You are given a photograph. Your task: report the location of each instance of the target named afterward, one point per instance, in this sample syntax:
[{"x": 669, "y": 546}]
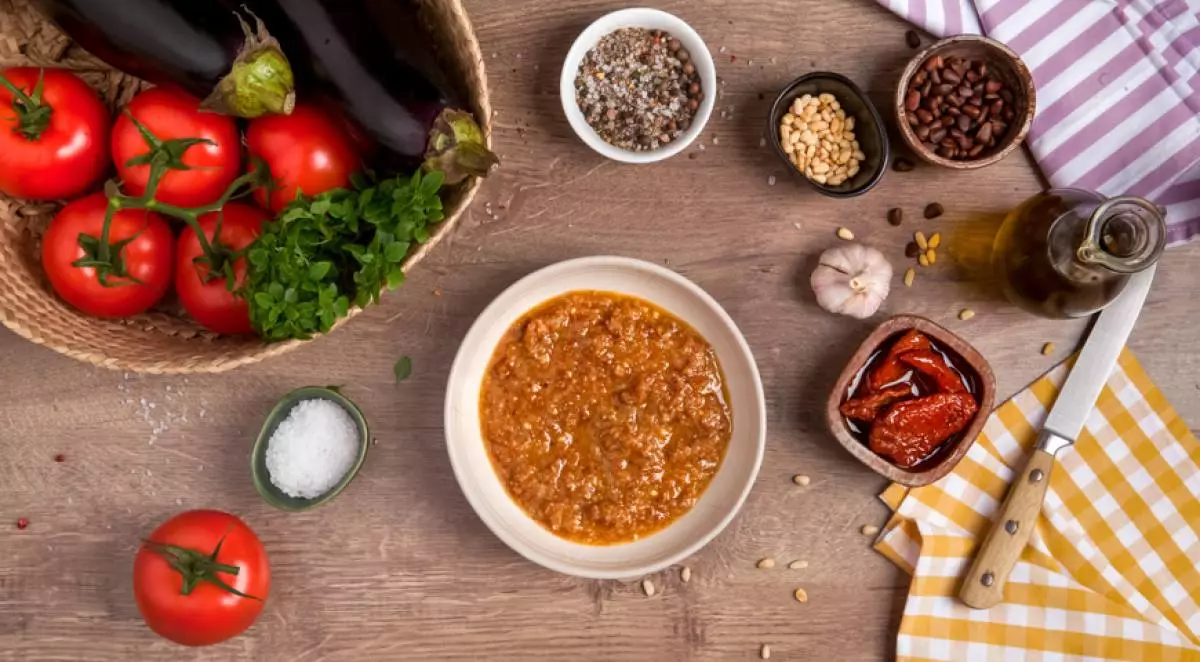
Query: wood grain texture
[{"x": 398, "y": 566}]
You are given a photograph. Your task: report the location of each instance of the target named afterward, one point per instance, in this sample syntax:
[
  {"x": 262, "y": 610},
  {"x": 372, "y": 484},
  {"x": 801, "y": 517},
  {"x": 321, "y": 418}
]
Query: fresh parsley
[{"x": 339, "y": 249}]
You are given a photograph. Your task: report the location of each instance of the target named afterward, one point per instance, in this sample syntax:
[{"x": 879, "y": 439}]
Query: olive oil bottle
[{"x": 1068, "y": 252}]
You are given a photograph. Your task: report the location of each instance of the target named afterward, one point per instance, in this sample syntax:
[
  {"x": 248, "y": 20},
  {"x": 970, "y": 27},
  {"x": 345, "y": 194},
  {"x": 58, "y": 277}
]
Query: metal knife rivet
[
  {"x": 1011, "y": 526},
  {"x": 987, "y": 579},
  {"x": 1036, "y": 476}
]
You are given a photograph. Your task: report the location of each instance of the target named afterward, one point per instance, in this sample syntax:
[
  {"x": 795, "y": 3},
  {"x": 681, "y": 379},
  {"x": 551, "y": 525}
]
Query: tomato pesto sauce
[{"x": 604, "y": 416}]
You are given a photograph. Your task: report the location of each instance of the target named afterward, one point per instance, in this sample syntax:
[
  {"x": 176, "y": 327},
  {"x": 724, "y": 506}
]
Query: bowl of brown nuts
[
  {"x": 965, "y": 102},
  {"x": 830, "y": 134}
]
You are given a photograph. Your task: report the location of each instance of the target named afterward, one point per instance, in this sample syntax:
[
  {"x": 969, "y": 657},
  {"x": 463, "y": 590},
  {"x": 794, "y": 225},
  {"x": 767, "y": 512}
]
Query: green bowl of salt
[{"x": 311, "y": 446}]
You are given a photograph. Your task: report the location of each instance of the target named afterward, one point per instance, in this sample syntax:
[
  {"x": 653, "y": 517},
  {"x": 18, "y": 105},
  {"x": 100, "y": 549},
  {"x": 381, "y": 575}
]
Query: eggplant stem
[
  {"x": 458, "y": 148},
  {"x": 260, "y": 80}
]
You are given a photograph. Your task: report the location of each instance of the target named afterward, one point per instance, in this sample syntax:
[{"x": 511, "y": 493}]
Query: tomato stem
[
  {"x": 196, "y": 566},
  {"x": 33, "y": 116}
]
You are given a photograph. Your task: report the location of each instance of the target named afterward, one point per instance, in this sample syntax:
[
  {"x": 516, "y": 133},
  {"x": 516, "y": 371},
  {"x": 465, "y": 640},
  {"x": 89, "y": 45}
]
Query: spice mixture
[{"x": 638, "y": 89}]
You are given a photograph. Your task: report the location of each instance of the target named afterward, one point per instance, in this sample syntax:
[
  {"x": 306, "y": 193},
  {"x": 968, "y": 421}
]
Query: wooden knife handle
[{"x": 983, "y": 587}]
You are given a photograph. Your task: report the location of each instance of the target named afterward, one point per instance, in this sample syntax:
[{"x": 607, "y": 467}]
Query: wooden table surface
[{"x": 399, "y": 566}]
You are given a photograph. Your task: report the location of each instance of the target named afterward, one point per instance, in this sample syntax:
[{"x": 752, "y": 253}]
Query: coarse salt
[{"x": 312, "y": 449}]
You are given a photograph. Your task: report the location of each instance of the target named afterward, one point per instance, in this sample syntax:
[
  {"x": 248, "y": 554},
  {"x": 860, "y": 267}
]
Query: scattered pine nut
[
  {"x": 909, "y": 275},
  {"x": 931, "y": 255},
  {"x": 798, "y": 565},
  {"x": 966, "y": 314},
  {"x": 919, "y": 237},
  {"x": 923, "y": 259},
  {"x": 765, "y": 564},
  {"x": 801, "y": 480},
  {"x": 801, "y": 595},
  {"x": 685, "y": 574},
  {"x": 845, "y": 233},
  {"x": 765, "y": 652},
  {"x": 870, "y": 530},
  {"x": 935, "y": 240},
  {"x": 1048, "y": 349},
  {"x": 648, "y": 588}
]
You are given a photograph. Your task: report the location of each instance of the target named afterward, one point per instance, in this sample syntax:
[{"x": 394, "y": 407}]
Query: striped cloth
[
  {"x": 1111, "y": 571},
  {"x": 1117, "y": 90}
]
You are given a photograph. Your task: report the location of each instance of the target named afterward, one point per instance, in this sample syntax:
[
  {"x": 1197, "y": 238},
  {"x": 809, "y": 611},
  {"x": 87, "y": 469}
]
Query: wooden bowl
[
  {"x": 1002, "y": 61},
  {"x": 926, "y": 473},
  {"x": 868, "y": 130}
]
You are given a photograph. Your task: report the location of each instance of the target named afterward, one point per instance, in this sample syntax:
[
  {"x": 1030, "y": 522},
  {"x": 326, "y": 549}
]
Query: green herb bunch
[{"x": 339, "y": 249}]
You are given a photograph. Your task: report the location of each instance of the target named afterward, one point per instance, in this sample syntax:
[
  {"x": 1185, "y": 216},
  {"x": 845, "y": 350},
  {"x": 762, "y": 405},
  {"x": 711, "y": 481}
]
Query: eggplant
[
  {"x": 200, "y": 45},
  {"x": 386, "y": 79}
]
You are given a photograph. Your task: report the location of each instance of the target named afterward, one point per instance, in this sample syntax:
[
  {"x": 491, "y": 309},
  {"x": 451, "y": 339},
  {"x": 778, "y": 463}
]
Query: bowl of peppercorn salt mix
[{"x": 638, "y": 85}]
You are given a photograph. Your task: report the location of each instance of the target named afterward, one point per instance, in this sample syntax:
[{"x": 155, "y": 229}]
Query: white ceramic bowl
[
  {"x": 650, "y": 19},
  {"x": 725, "y": 494}
]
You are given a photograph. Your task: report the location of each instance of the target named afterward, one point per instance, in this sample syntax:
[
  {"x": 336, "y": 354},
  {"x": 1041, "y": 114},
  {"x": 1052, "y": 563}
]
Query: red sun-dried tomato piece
[
  {"x": 935, "y": 367},
  {"x": 891, "y": 368},
  {"x": 867, "y": 407},
  {"x": 910, "y": 430}
]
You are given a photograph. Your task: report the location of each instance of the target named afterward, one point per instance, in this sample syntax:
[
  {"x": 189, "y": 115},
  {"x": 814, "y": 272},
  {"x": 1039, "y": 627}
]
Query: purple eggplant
[
  {"x": 375, "y": 62},
  {"x": 200, "y": 45}
]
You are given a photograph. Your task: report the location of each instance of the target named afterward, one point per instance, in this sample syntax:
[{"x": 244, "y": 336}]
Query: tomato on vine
[
  {"x": 207, "y": 280},
  {"x": 308, "y": 151},
  {"x": 112, "y": 271},
  {"x": 53, "y": 134},
  {"x": 204, "y": 149}
]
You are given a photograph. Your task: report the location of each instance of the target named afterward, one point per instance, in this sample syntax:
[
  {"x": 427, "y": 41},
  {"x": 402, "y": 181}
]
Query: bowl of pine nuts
[{"x": 829, "y": 134}]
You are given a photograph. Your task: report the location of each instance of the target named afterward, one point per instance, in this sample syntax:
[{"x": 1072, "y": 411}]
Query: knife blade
[
  {"x": 1096, "y": 360},
  {"x": 983, "y": 585}
]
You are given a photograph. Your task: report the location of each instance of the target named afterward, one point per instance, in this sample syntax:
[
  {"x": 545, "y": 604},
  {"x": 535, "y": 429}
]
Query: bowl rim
[
  {"x": 1029, "y": 91},
  {"x": 986, "y": 399},
  {"x": 503, "y": 303},
  {"x": 634, "y": 17},
  {"x": 885, "y": 143},
  {"x": 262, "y": 479}
]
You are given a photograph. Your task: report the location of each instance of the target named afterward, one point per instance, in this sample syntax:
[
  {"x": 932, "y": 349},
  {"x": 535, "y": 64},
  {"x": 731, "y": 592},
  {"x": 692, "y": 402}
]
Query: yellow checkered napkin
[{"x": 1111, "y": 572}]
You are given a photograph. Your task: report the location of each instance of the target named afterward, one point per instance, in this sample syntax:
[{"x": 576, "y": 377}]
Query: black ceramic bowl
[{"x": 868, "y": 130}]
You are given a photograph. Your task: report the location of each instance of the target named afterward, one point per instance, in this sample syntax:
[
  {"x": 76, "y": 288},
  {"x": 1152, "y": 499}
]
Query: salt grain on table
[{"x": 312, "y": 449}]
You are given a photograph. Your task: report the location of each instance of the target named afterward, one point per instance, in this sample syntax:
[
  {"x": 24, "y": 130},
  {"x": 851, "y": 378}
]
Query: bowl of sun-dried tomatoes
[{"x": 912, "y": 400}]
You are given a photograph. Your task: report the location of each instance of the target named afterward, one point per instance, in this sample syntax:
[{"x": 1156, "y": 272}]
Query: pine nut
[
  {"x": 919, "y": 237},
  {"x": 966, "y": 314},
  {"x": 648, "y": 588},
  {"x": 931, "y": 256},
  {"x": 935, "y": 240},
  {"x": 801, "y": 480},
  {"x": 870, "y": 530},
  {"x": 923, "y": 260},
  {"x": 685, "y": 574},
  {"x": 1048, "y": 349},
  {"x": 801, "y": 595},
  {"x": 765, "y": 652},
  {"x": 765, "y": 564},
  {"x": 909, "y": 275},
  {"x": 845, "y": 233},
  {"x": 798, "y": 565}
]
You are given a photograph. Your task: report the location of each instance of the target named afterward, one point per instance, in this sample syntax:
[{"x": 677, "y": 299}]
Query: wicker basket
[{"x": 163, "y": 340}]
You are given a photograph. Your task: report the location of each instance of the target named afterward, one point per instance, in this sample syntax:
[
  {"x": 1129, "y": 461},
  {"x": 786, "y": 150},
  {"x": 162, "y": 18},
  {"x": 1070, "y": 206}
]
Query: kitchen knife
[{"x": 983, "y": 586}]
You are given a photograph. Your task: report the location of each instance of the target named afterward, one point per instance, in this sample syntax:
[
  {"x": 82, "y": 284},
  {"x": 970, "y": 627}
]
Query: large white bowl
[
  {"x": 725, "y": 494},
  {"x": 650, "y": 19}
]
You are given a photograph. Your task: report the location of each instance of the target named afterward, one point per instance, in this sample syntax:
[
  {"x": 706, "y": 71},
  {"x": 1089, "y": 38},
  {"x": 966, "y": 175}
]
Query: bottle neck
[{"x": 1124, "y": 234}]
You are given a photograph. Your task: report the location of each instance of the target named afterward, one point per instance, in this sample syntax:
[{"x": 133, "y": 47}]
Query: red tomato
[
  {"x": 58, "y": 157},
  {"x": 308, "y": 150},
  {"x": 171, "y": 114},
  {"x": 146, "y": 258},
  {"x": 207, "y": 612},
  {"x": 211, "y": 303}
]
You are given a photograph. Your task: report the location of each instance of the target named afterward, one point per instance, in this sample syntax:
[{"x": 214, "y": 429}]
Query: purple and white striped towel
[{"x": 1118, "y": 85}]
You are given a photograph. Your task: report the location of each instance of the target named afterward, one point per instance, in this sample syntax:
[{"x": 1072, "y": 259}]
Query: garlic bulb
[{"x": 852, "y": 280}]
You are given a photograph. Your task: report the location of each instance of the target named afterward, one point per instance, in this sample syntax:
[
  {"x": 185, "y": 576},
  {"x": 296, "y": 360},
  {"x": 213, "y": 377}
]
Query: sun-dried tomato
[
  {"x": 891, "y": 368},
  {"x": 934, "y": 366},
  {"x": 867, "y": 407},
  {"x": 909, "y": 431}
]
